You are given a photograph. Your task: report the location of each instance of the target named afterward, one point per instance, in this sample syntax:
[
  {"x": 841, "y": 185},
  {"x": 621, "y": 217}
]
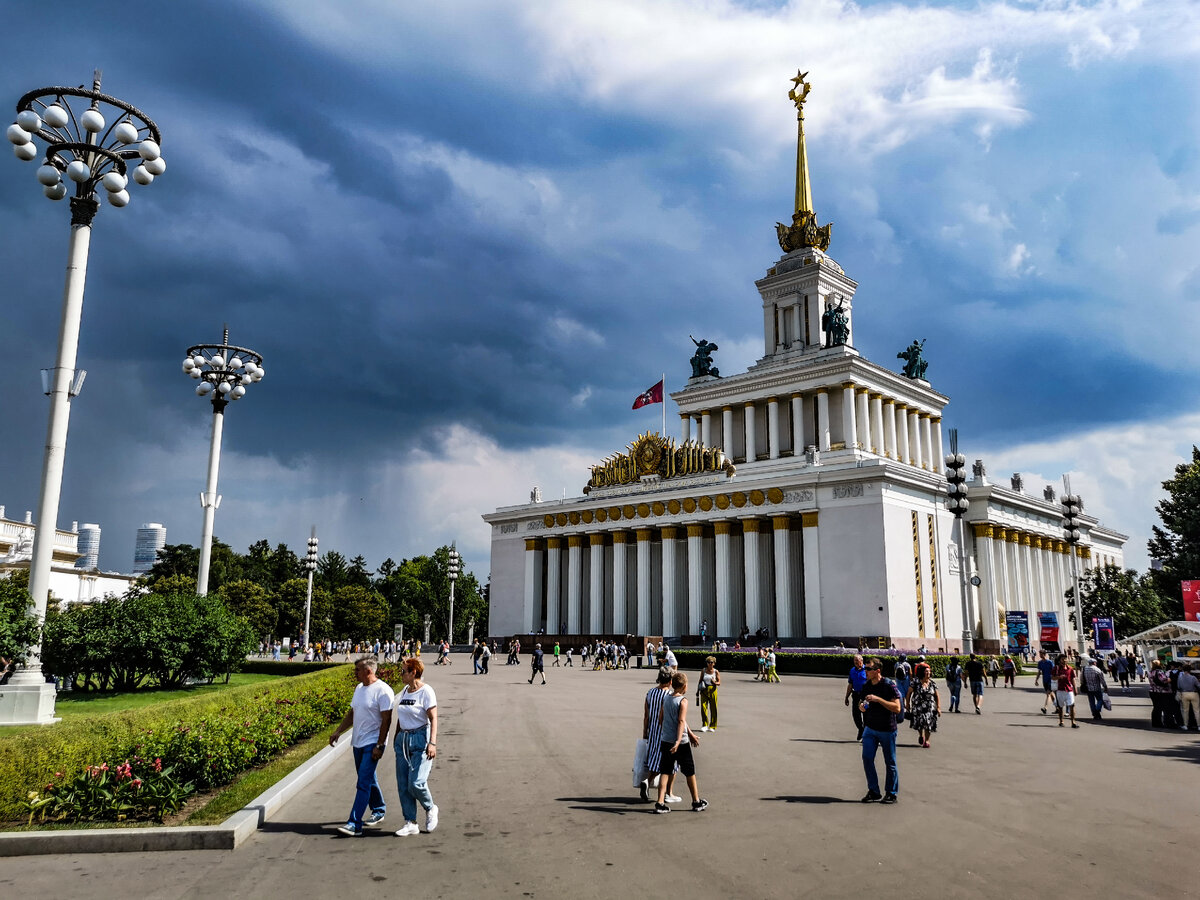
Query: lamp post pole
[
  {"x": 453, "y": 574},
  {"x": 1072, "y": 506},
  {"x": 310, "y": 564},
  {"x": 958, "y": 504},
  {"x": 89, "y": 137},
  {"x": 224, "y": 372}
]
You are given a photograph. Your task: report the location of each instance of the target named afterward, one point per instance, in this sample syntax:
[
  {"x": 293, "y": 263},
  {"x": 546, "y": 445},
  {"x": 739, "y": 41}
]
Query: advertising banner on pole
[
  {"x": 1017, "y": 622},
  {"x": 1103, "y": 629},
  {"x": 1048, "y": 622},
  {"x": 1191, "y": 601}
]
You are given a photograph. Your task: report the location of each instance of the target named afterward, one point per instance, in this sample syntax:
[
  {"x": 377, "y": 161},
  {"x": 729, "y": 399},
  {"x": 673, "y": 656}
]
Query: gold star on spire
[{"x": 804, "y": 231}]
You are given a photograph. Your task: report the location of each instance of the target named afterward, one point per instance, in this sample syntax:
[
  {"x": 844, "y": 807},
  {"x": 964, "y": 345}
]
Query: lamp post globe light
[
  {"x": 310, "y": 565},
  {"x": 452, "y": 572},
  {"x": 224, "y": 373},
  {"x": 958, "y": 504},
  {"x": 90, "y": 138},
  {"x": 1072, "y": 506}
]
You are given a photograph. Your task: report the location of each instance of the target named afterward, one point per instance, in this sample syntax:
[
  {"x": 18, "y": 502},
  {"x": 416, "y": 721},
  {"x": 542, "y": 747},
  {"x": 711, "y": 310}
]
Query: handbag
[
  {"x": 1106, "y": 700},
  {"x": 641, "y": 750}
]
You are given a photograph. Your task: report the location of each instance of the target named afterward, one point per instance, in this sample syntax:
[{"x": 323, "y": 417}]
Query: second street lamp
[
  {"x": 224, "y": 372},
  {"x": 958, "y": 504},
  {"x": 310, "y": 565},
  {"x": 453, "y": 574}
]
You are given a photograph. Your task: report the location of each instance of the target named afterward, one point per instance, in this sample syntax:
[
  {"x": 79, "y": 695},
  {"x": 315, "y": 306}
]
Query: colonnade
[
  {"x": 1020, "y": 570},
  {"x": 731, "y": 573},
  {"x": 865, "y": 420}
]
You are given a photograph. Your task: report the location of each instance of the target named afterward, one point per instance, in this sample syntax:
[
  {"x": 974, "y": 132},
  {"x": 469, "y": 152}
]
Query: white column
[
  {"x": 914, "y": 438},
  {"x": 823, "y": 419},
  {"x": 750, "y": 547},
  {"x": 645, "y": 583},
  {"x": 554, "y": 616},
  {"x": 797, "y": 315},
  {"x": 574, "y": 583},
  {"x": 773, "y": 427},
  {"x": 596, "y": 582},
  {"x": 812, "y": 575},
  {"x": 685, "y": 427},
  {"x": 727, "y": 431},
  {"x": 1041, "y": 598},
  {"x": 620, "y": 577},
  {"x": 798, "y": 443},
  {"x": 902, "y": 433},
  {"x": 751, "y": 447},
  {"x": 849, "y": 425},
  {"x": 815, "y": 313},
  {"x": 725, "y": 595},
  {"x": 533, "y": 586},
  {"x": 989, "y": 612},
  {"x": 670, "y": 585},
  {"x": 877, "y": 435},
  {"x": 785, "y": 601},
  {"x": 706, "y": 429},
  {"x": 889, "y": 429},
  {"x": 939, "y": 457},
  {"x": 927, "y": 442},
  {"x": 863, "y": 415},
  {"x": 696, "y": 571}
]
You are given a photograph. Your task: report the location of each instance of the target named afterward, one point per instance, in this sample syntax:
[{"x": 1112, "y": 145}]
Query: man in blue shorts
[
  {"x": 1045, "y": 669},
  {"x": 975, "y": 675}
]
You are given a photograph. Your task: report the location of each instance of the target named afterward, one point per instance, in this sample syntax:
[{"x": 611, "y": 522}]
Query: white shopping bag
[{"x": 639, "y": 761}]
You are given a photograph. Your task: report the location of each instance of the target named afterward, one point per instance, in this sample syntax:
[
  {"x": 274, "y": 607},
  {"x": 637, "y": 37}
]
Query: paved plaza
[{"x": 536, "y": 801}]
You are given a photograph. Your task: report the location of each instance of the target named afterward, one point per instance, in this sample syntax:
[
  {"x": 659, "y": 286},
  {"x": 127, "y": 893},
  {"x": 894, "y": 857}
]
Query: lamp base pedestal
[{"x": 27, "y": 704}]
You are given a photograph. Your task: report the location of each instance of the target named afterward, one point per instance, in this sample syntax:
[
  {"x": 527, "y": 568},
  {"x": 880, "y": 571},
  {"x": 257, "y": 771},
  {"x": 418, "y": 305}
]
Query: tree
[
  {"x": 359, "y": 613},
  {"x": 289, "y": 603},
  {"x": 18, "y": 626},
  {"x": 359, "y": 575},
  {"x": 1129, "y": 598},
  {"x": 252, "y": 602},
  {"x": 331, "y": 570},
  {"x": 1177, "y": 542}
]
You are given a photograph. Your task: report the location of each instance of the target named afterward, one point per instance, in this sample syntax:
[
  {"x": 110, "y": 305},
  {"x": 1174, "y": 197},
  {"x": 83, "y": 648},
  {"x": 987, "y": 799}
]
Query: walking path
[{"x": 536, "y": 800}]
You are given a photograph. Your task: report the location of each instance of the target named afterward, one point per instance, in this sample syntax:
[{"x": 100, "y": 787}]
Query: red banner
[
  {"x": 1191, "y": 600},
  {"x": 652, "y": 395}
]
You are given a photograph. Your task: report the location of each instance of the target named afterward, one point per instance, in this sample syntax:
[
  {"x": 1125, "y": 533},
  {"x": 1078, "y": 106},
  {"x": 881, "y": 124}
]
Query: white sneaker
[
  {"x": 704, "y": 728},
  {"x": 671, "y": 798},
  {"x": 409, "y": 828},
  {"x": 431, "y": 818}
]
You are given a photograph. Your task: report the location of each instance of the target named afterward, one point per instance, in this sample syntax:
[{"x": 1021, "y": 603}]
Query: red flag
[{"x": 652, "y": 395}]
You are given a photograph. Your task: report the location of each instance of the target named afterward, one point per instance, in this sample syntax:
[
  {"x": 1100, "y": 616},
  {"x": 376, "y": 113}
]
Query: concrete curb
[{"x": 226, "y": 836}]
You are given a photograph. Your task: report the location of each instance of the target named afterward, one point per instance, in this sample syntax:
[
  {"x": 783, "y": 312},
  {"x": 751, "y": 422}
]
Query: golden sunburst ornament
[{"x": 647, "y": 452}]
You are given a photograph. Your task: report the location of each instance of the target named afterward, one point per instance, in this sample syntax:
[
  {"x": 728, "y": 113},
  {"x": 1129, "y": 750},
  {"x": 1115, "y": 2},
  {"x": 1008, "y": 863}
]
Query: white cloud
[{"x": 1018, "y": 259}]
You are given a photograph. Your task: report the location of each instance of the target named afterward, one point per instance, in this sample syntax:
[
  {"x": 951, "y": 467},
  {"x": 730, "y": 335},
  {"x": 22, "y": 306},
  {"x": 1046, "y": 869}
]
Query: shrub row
[
  {"x": 207, "y": 740},
  {"x": 284, "y": 667},
  {"x": 806, "y": 663}
]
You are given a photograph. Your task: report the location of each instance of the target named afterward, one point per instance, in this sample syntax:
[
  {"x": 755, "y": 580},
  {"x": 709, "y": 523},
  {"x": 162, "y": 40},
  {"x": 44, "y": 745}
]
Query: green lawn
[{"x": 80, "y": 704}]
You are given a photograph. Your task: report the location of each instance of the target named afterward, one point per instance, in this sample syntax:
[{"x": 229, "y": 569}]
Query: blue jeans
[
  {"x": 902, "y": 687},
  {"x": 872, "y": 741},
  {"x": 412, "y": 772},
  {"x": 955, "y": 695},
  {"x": 1096, "y": 702},
  {"x": 367, "y": 790}
]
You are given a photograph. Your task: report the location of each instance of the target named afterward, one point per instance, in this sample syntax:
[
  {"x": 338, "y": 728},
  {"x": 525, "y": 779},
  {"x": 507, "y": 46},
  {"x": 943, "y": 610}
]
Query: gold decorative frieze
[
  {"x": 658, "y": 507},
  {"x": 758, "y": 498},
  {"x": 722, "y": 501},
  {"x": 706, "y": 504},
  {"x": 775, "y": 495},
  {"x": 643, "y": 510},
  {"x": 673, "y": 507},
  {"x": 560, "y": 520},
  {"x": 689, "y": 505},
  {"x": 738, "y": 499},
  {"x": 654, "y": 455}
]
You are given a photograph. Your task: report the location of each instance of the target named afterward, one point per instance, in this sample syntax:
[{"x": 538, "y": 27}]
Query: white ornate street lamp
[
  {"x": 90, "y": 138},
  {"x": 453, "y": 569},
  {"x": 958, "y": 504},
  {"x": 224, "y": 373},
  {"x": 310, "y": 566}
]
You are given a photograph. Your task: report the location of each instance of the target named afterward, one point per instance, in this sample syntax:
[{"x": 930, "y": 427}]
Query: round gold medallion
[
  {"x": 758, "y": 498},
  {"x": 739, "y": 499},
  {"x": 587, "y": 517},
  {"x": 775, "y": 495},
  {"x": 658, "y": 509},
  {"x": 673, "y": 507},
  {"x": 614, "y": 513},
  {"x": 689, "y": 505},
  {"x": 602, "y": 515},
  {"x": 643, "y": 510},
  {"x": 706, "y": 503},
  {"x": 574, "y": 518},
  {"x": 628, "y": 512},
  {"x": 722, "y": 501},
  {"x": 548, "y": 521}
]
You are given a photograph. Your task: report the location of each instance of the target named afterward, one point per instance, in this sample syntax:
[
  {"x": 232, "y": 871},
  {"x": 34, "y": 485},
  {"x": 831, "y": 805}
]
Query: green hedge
[
  {"x": 806, "y": 663},
  {"x": 207, "y": 739},
  {"x": 285, "y": 667}
]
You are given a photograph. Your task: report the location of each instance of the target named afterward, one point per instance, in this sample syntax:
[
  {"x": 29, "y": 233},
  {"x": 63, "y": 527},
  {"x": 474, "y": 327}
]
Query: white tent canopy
[{"x": 1168, "y": 634}]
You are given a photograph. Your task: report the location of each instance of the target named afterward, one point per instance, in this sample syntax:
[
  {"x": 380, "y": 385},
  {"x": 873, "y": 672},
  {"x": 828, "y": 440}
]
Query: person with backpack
[
  {"x": 1010, "y": 672},
  {"x": 994, "y": 670},
  {"x": 903, "y": 675},
  {"x": 954, "y": 675}
]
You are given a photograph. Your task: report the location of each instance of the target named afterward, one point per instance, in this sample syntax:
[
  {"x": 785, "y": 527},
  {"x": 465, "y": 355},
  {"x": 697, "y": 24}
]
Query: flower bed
[{"x": 86, "y": 769}]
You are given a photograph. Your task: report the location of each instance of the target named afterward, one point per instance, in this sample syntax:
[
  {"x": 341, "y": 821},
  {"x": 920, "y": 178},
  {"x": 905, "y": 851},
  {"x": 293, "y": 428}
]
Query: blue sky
[{"x": 465, "y": 236}]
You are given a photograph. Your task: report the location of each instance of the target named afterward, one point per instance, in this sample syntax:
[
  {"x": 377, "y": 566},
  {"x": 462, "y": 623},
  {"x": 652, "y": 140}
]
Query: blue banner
[
  {"x": 1105, "y": 638},
  {"x": 1048, "y": 623},
  {"x": 1017, "y": 623}
]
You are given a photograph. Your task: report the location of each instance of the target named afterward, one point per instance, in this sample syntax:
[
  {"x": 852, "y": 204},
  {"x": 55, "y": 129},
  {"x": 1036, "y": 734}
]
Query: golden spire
[{"x": 804, "y": 231}]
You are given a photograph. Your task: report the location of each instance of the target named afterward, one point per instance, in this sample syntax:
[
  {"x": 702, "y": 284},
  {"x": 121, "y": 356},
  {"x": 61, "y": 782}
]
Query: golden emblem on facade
[
  {"x": 653, "y": 455},
  {"x": 804, "y": 230}
]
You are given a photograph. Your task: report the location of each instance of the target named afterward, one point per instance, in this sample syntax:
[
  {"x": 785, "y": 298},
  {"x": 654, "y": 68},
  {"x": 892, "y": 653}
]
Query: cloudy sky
[{"x": 465, "y": 235}]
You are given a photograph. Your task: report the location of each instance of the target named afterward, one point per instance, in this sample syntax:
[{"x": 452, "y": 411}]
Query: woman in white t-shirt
[{"x": 416, "y": 746}]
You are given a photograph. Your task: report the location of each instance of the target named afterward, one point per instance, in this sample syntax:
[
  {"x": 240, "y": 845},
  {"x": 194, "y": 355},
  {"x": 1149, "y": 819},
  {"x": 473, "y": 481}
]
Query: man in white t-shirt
[
  {"x": 669, "y": 658},
  {"x": 371, "y": 716}
]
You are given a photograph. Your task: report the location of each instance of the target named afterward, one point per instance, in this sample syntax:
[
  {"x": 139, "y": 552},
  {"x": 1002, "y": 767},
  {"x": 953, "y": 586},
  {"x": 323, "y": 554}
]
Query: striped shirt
[{"x": 654, "y": 704}]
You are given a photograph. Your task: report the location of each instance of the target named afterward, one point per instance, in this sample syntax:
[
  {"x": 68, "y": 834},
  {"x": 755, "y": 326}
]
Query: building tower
[
  {"x": 151, "y": 538},
  {"x": 89, "y": 546}
]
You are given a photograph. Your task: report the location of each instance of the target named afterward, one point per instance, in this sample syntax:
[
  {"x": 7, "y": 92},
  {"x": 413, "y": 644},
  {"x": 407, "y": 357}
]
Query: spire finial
[{"x": 803, "y": 231}]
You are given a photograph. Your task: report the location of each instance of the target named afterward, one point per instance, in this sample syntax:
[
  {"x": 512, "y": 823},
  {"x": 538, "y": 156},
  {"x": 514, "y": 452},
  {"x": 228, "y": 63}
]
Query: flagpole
[{"x": 664, "y": 405}]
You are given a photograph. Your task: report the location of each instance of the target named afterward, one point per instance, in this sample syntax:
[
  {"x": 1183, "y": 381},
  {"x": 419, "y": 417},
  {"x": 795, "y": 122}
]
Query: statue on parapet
[
  {"x": 702, "y": 361},
  {"x": 836, "y": 324},
  {"x": 914, "y": 363}
]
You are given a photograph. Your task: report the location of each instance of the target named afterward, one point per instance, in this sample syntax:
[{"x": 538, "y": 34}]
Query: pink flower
[
  {"x": 137, "y": 783},
  {"x": 157, "y": 764}
]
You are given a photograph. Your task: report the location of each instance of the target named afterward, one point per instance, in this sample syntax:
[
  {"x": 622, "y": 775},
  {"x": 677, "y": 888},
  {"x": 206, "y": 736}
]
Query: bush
[
  {"x": 18, "y": 628},
  {"x": 808, "y": 663},
  {"x": 204, "y": 740},
  {"x": 284, "y": 667}
]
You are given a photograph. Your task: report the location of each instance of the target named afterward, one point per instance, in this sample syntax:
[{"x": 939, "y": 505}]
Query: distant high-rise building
[
  {"x": 151, "y": 538},
  {"x": 89, "y": 546}
]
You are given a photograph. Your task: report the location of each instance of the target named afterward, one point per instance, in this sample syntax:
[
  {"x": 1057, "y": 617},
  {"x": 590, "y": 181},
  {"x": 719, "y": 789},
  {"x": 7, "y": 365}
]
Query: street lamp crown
[
  {"x": 91, "y": 137},
  {"x": 224, "y": 371}
]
